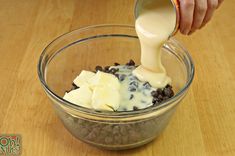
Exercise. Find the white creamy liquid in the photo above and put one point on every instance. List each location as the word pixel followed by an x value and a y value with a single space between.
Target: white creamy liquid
pixel 154 25
pixel 140 98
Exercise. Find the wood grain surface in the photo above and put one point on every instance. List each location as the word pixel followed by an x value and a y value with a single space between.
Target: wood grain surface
pixel 203 125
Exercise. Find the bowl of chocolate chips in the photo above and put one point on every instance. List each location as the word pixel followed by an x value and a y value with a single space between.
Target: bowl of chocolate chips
pixel 89 75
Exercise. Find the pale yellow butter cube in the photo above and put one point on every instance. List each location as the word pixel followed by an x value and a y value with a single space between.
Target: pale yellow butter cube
pixel 81 96
pixel 83 78
pixel 105 98
pixel 104 79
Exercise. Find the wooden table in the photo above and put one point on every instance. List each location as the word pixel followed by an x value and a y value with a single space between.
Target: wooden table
pixel 204 124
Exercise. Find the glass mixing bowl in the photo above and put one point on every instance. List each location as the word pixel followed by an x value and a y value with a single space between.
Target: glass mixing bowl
pixel 64 58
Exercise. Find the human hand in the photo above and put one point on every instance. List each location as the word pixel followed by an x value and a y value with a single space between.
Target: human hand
pixel 195 14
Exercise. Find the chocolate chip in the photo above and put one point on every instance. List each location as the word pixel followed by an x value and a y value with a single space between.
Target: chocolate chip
pixel 160 97
pixel 154 93
pixel 147 85
pixel 84 132
pixel 123 130
pixel 122 77
pixel 74 86
pixel 112 135
pixel 131 97
pixel 117 75
pixel 133 78
pixel 124 140
pixel 106 68
pixel 98 68
pixel 116 129
pixel 91 136
pixel 132 89
pixel 162 94
pixel 154 100
pixel 113 70
pixel 135 108
pixel 108 140
pixel 134 83
pixel 116 64
pixel 134 135
pixel 168 92
pixel 165 97
pixel 159 91
pixel 168 86
pixel 131 63
pixel 117 139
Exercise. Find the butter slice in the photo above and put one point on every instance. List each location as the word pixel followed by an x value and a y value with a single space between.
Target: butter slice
pixel 104 79
pixel 81 96
pixel 105 98
pixel 83 78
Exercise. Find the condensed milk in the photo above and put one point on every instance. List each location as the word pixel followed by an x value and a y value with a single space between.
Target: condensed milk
pixel 156 21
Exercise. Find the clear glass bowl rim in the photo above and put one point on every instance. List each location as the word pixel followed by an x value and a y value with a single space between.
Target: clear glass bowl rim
pixel 103 113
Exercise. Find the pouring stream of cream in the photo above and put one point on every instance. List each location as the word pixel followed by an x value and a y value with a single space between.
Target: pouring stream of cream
pixel 154 25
